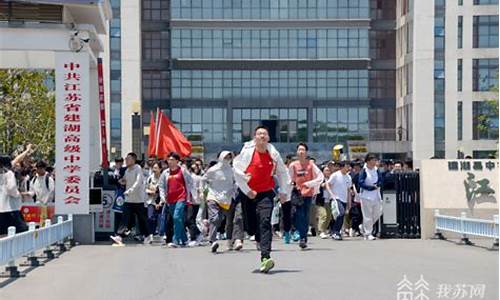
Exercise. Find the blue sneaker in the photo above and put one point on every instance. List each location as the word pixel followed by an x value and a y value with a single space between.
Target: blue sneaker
pixel 286 237
pixel 295 236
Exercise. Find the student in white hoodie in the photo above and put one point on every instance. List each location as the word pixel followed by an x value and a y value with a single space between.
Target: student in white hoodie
pixel 134 199
pixel 220 204
pixel 254 168
pixel 370 183
pixel 41 187
pixel 10 199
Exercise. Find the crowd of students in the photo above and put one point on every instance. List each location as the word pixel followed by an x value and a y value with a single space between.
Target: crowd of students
pixel 254 194
pixel 23 180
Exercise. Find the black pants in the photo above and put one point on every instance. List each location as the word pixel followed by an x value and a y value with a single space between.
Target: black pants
pixel 12 218
pixel 191 213
pixel 286 209
pixel 132 210
pixel 257 219
pixel 356 217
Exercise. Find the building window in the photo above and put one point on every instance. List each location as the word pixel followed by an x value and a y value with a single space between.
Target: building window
pixel 270 43
pixel 275 10
pixel 459 120
pixel 485 120
pixel 460 2
pixel 459 74
pixel 317 84
pixel 206 125
pixel 286 125
pixel 485 32
pixel 155 10
pixel 340 124
pixel 155 45
pixel 460 31
pixel 485 2
pixel 484 74
pixel 484 154
pixel 382 84
pixel 155 85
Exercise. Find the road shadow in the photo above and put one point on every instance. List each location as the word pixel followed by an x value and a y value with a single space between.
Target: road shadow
pixel 257 271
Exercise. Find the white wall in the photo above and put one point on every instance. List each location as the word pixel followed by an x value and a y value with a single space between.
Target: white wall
pixel 423 80
pixel 131 67
pixel 467 145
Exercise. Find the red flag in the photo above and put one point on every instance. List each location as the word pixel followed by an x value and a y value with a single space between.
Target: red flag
pixel 169 138
pixel 152 137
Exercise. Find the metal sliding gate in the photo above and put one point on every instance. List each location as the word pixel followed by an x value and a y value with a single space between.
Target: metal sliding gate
pixel 401 216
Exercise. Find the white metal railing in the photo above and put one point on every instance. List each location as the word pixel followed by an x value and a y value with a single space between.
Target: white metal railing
pixel 466 226
pixel 15 246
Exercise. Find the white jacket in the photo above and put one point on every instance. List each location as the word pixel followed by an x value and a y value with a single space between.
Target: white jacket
pixel 243 160
pixel 220 181
pixel 134 189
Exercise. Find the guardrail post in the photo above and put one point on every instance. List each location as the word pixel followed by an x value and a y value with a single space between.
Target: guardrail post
pixel 465 239
pixel 11 268
pixel 48 251
pixel 437 233
pixel 72 242
pixel 32 258
pixel 60 244
pixel 495 226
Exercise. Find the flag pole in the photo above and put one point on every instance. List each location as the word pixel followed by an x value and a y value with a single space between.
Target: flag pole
pixel 157 130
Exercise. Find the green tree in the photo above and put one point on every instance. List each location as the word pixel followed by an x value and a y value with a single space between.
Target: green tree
pixel 484 123
pixel 27 111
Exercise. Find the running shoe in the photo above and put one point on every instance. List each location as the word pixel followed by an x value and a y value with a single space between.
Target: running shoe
pixel 286 237
pixel 295 236
pixel 238 245
pixel 118 241
pixel 214 247
pixel 323 235
pixel 303 244
pixel 266 265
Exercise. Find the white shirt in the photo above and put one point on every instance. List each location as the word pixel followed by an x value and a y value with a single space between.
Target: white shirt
pixel 371 179
pixel 38 187
pixel 339 184
pixel 10 199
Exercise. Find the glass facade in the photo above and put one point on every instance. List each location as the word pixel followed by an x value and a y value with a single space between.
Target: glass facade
pixel 155 10
pixel 460 32
pixel 317 84
pixel 459 74
pixel 270 9
pixel 340 124
pixel 485 2
pixel 460 117
pixel 270 43
pixel 155 45
pixel 115 80
pixel 439 78
pixel 286 125
pixel 485 121
pixel 201 124
pixel 484 74
pixel 485 32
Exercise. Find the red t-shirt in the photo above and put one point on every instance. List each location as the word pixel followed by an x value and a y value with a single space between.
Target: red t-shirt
pixel 261 172
pixel 176 187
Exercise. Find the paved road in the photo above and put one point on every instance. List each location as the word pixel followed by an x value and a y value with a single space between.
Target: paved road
pixel 351 269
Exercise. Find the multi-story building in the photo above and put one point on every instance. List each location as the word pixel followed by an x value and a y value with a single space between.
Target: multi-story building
pixel 447 66
pixel 316 71
pixel 324 72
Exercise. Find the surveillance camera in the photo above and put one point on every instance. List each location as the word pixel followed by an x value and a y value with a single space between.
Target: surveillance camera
pixel 84 36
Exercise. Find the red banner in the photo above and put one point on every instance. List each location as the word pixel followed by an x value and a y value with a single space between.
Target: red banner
pixel 35 213
pixel 104 141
